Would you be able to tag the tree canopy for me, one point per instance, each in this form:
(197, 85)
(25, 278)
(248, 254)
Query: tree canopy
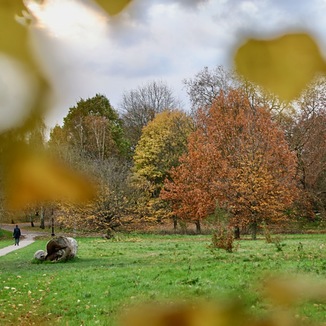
(162, 142)
(93, 128)
(237, 159)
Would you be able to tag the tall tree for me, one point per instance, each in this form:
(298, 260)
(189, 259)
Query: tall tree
(207, 84)
(237, 159)
(307, 136)
(139, 106)
(93, 128)
(162, 142)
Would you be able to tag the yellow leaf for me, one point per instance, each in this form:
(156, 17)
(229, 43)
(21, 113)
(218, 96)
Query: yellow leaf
(113, 7)
(286, 291)
(284, 65)
(37, 178)
(13, 36)
(15, 43)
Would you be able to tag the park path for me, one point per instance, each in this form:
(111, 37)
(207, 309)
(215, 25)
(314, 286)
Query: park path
(28, 237)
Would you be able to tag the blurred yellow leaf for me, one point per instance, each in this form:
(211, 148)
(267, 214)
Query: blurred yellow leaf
(38, 178)
(286, 291)
(15, 42)
(284, 65)
(113, 7)
(13, 36)
(187, 314)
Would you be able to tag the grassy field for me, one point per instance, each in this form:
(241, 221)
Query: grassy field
(111, 275)
(5, 238)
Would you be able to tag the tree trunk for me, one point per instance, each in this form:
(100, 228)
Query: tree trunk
(236, 232)
(254, 227)
(198, 227)
(31, 220)
(42, 226)
(175, 223)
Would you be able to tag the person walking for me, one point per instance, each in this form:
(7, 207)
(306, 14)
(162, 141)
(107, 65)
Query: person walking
(16, 235)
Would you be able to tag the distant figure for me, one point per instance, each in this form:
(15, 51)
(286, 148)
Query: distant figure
(16, 235)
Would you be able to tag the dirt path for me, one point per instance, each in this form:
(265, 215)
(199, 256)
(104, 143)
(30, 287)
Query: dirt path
(27, 238)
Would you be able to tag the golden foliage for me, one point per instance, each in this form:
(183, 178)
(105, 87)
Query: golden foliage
(113, 7)
(37, 178)
(284, 65)
(233, 312)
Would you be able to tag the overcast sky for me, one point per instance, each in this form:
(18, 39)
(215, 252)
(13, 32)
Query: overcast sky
(85, 52)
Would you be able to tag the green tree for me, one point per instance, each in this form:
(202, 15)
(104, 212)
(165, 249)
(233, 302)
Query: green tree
(94, 129)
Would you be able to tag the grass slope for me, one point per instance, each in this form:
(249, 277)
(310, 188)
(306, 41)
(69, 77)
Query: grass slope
(5, 238)
(110, 275)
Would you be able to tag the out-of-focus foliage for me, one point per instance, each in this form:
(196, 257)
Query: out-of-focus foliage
(15, 43)
(237, 157)
(284, 294)
(284, 65)
(29, 174)
(113, 7)
(187, 314)
(34, 178)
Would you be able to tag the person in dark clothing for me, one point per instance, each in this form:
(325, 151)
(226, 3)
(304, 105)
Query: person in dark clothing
(16, 235)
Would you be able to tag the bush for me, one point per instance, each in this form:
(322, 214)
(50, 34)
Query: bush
(223, 238)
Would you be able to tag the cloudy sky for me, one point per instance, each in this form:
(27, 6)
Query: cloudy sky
(85, 52)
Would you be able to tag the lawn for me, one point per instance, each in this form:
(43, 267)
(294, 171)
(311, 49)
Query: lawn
(6, 238)
(108, 276)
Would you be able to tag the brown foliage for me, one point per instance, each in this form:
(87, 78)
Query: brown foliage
(237, 157)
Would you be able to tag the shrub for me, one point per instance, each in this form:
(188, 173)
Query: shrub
(223, 238)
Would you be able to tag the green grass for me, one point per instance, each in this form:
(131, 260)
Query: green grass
(5, 238)
(110, 275)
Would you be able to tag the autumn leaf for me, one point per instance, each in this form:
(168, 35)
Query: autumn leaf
(13, 43)
(283, 65)
(286, 291)
(113, 7)
(38, 178)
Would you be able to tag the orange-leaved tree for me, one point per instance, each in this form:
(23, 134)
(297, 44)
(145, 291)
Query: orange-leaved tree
(239, 158)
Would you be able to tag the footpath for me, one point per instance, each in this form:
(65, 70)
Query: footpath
(27, 238)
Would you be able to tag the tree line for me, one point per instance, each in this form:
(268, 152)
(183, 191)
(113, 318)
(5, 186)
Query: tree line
(238, 150)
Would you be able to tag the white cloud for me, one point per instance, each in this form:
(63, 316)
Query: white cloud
(167, 40)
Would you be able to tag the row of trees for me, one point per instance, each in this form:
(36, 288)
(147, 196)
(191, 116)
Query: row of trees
(238, 149)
